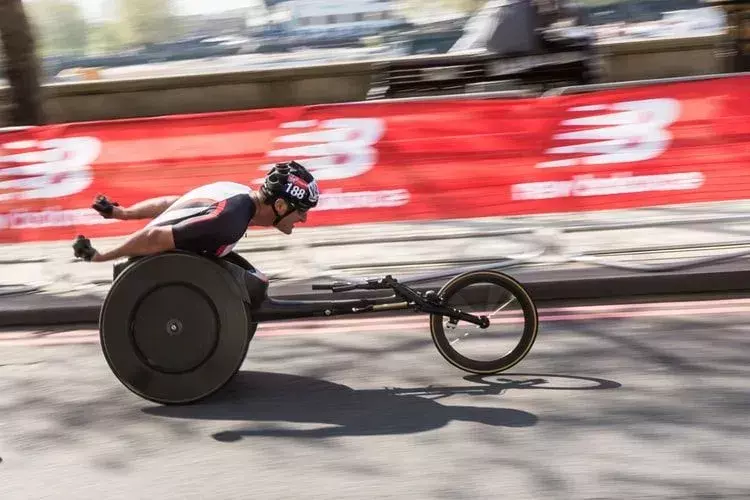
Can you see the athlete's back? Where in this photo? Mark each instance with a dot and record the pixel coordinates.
(198, 199)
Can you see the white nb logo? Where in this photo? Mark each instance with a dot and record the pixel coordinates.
(331, 149)
(46, 169)
(619, 133)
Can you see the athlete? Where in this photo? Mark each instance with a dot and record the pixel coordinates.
(210, 219)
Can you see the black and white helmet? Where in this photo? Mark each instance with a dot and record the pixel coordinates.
(293, 183)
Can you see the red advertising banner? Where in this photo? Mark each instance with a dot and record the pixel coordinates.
(396, 161)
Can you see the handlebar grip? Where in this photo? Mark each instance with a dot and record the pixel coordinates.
(322, 286)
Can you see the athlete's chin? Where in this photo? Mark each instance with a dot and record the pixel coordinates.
(286, 230)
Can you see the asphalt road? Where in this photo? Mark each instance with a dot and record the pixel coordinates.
(614, 402)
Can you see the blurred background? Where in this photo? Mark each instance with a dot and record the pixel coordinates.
(105, 39)
(584, 41)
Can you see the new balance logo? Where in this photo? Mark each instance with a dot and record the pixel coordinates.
(331, 149)
(32, 169)
(623, 132)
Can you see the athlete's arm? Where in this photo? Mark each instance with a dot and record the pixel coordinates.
(146, 209)
(147, 241)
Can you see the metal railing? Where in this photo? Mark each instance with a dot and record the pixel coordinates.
(456, 73)
(581, 89)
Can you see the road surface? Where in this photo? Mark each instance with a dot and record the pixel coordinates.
(644, 401)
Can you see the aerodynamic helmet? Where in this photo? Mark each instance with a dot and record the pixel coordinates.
(293, 183)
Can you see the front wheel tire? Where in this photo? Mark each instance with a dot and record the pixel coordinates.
(513, 323)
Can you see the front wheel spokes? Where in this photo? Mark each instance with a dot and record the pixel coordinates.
(460, 338)
(452, 323)
(509, 301)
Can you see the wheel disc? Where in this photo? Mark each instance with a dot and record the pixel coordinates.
(175, 328)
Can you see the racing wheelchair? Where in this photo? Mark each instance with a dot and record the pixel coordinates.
(175, 327)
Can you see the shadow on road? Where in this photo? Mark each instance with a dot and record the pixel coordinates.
(274, 398)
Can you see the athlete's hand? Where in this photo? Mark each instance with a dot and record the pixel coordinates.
(82, 249)
(106, 208)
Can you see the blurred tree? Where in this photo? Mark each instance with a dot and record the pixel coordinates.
(21, 65)
(59, 26)
(106, 37)
(467, 6)
(148, 21)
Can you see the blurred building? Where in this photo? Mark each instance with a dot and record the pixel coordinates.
(321, 22)
(231, 22)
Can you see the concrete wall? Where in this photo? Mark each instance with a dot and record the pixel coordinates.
(109, 99)
(664, 58)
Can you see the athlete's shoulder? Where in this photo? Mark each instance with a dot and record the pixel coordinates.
(227, 186)
(221, 190)
(231, 185)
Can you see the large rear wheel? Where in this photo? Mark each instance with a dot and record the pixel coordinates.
(173, 328)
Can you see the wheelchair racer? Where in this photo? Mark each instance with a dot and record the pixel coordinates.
(209, 220)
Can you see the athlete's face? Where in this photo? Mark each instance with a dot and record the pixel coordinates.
(286, 225)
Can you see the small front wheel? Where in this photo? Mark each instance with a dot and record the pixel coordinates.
(510, 334)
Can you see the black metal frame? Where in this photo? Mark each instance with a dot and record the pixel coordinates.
(263, 308)
(404, 297)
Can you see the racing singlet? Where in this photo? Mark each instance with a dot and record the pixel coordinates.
(210, 219)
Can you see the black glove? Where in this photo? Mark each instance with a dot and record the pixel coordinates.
(82, 249)
(104, 206)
